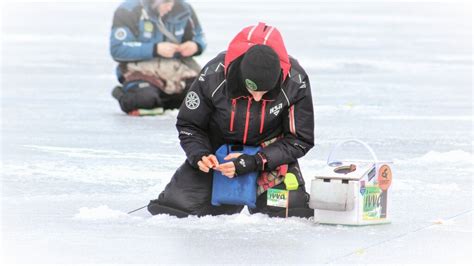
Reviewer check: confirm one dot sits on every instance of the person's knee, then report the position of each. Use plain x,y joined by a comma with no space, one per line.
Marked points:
189,193
189,190
139,95
220,210
155,208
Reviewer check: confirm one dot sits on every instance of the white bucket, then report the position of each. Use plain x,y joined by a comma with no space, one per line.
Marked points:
352,192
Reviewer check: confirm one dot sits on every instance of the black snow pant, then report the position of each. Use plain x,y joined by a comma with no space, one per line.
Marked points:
189,193
143,95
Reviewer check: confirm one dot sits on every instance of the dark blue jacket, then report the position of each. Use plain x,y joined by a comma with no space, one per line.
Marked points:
134,34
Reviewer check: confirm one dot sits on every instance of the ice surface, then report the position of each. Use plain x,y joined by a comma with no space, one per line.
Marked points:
394,74
100,213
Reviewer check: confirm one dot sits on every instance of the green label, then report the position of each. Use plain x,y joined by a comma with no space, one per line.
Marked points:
372,200
277,197
250,85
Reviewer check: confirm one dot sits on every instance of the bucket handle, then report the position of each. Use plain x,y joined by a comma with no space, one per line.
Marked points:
336,148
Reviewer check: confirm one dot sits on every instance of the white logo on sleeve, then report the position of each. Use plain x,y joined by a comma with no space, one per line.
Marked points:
242,162
120,34
192,100
276,109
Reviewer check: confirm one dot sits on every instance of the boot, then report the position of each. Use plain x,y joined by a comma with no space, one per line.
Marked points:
117,92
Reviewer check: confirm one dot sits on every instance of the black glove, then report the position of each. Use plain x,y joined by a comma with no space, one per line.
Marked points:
245,164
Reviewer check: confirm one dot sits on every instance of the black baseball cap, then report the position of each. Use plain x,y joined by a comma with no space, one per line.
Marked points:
260,68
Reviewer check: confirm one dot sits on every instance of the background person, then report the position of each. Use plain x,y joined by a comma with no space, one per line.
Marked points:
154,42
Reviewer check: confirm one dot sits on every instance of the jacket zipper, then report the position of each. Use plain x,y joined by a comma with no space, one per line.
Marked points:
262,116
247,118
232,114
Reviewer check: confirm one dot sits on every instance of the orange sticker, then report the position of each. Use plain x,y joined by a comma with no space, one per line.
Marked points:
384,177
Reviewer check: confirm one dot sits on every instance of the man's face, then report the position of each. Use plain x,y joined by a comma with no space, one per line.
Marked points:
257,95
163,7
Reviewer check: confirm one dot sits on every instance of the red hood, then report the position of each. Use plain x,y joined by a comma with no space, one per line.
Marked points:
259,34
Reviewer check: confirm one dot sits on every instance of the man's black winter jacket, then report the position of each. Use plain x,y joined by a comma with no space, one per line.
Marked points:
218,110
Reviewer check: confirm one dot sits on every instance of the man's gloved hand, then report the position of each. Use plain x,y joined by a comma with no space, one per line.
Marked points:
245,164
242,164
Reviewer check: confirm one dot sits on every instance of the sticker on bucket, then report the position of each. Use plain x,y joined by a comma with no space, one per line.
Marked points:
384,177
372,207
375,203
